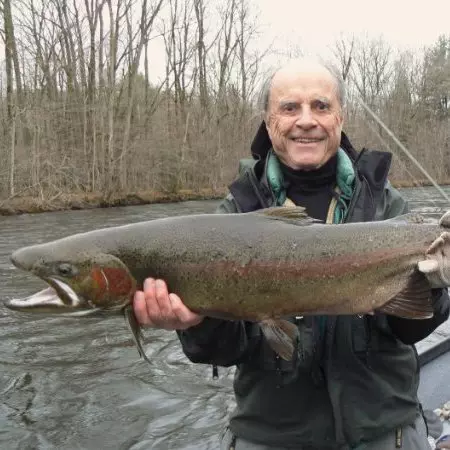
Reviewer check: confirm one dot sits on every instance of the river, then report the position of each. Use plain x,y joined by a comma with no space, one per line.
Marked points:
79,383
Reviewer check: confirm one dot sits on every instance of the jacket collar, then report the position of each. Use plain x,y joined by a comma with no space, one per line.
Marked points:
370,169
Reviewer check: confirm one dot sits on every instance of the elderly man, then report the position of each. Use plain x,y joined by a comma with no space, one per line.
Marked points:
353,383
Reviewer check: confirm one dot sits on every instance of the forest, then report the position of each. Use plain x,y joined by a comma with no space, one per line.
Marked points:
89,112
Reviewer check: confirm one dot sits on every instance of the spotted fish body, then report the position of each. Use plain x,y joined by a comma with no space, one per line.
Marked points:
255,266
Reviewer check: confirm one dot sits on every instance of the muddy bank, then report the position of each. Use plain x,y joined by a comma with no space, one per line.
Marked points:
62,202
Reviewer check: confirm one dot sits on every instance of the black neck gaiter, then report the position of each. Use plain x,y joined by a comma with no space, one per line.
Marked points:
312,189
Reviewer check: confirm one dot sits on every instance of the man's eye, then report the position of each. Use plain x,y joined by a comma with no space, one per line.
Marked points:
322,106
289,107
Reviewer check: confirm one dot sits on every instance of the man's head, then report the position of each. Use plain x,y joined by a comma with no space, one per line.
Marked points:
303,104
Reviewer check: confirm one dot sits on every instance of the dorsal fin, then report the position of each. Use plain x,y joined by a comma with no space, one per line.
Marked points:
291,214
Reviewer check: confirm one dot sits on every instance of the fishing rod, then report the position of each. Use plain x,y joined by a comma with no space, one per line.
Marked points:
403,148
391,134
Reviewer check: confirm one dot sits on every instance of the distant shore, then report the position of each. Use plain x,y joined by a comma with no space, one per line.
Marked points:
65,202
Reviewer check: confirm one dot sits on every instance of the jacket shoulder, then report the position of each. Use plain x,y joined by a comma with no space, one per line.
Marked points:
392,203
227,205
246,164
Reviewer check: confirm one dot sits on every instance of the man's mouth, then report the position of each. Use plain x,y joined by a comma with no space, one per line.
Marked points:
303,140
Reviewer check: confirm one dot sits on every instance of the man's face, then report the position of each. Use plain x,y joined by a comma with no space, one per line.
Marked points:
304,117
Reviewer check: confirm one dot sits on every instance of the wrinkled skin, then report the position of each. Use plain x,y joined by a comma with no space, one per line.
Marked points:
304,118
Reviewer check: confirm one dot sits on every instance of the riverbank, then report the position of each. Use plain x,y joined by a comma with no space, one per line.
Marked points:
63,202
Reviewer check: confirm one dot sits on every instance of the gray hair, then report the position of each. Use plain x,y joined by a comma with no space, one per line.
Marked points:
332,68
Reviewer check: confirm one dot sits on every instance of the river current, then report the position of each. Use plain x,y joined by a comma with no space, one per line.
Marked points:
79,383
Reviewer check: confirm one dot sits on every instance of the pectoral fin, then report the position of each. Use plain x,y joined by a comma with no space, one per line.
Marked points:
135,330
413,302
281,335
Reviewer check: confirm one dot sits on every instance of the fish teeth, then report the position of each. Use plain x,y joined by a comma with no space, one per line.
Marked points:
47,296
68,290
80,313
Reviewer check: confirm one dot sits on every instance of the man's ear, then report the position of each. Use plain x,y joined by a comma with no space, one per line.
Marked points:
267,123
341,118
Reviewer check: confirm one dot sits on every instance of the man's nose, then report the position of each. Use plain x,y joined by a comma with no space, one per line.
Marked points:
305,118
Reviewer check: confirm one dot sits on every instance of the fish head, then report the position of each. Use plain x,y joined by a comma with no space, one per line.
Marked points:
80,282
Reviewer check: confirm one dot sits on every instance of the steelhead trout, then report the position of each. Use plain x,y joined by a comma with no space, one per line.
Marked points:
260,266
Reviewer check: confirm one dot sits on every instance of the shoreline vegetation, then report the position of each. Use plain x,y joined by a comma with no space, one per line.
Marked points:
92,117
77,201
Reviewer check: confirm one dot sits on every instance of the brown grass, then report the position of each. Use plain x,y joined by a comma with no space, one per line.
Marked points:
64,202
28,204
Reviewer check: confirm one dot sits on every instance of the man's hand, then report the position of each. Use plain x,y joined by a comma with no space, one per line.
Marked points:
155,307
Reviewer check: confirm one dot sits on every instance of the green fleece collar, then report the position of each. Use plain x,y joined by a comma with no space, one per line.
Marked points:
345,180
275,178
345,173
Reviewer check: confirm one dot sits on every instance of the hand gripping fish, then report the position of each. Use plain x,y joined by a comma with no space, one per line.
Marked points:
260,266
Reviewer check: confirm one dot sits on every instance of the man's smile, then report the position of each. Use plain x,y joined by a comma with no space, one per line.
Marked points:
304,140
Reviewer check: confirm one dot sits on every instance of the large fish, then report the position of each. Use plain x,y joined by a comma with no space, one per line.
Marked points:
259,266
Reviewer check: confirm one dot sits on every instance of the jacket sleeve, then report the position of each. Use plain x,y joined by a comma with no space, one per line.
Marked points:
411,331
220,342
216,341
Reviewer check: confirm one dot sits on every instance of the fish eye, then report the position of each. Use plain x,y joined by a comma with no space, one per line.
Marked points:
66,269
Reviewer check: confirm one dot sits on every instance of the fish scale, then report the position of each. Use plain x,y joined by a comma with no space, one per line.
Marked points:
259,266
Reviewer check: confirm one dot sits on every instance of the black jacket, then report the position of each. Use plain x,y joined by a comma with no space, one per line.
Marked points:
349,383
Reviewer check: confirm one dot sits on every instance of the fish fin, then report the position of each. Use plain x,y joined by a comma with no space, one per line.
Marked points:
281,336
135,330
436,267
412,302
291,214
445,220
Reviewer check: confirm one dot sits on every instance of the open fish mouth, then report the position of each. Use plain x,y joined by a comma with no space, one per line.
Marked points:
58,298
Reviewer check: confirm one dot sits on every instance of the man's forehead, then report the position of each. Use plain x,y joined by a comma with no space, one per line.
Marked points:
309,76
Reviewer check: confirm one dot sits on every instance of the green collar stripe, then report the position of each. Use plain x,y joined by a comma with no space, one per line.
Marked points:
345,182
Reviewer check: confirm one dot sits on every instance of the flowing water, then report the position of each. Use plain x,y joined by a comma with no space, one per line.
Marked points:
79,383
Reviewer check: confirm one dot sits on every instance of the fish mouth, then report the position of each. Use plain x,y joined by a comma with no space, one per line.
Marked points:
58,298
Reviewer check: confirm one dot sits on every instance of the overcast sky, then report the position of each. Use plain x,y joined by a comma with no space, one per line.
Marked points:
316,23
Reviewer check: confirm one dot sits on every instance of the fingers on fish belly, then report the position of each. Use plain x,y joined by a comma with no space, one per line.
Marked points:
437,265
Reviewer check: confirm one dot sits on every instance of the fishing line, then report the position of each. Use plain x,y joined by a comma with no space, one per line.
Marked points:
424,191
403,148
377,119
